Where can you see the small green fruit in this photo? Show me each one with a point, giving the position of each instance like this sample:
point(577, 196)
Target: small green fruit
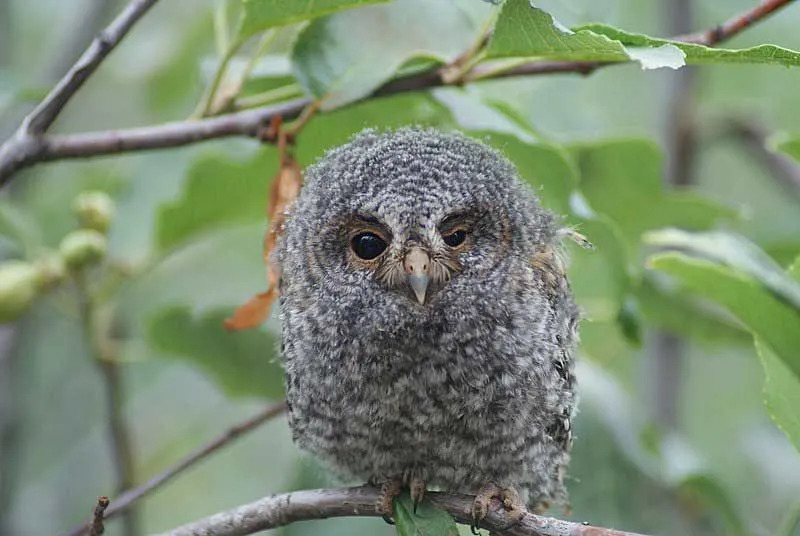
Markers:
point(95, 210)
point(20, 282)
point(82, 247)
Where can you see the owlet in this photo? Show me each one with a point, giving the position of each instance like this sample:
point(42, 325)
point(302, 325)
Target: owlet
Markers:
point(428, 327)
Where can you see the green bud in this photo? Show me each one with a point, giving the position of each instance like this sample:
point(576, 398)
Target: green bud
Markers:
point(94, 209)
point(82, 247)
point(20, 282)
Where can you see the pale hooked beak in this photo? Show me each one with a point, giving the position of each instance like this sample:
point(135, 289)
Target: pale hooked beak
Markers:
point(417, 264)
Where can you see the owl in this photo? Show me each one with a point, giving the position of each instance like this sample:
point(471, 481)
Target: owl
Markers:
point(427, 324)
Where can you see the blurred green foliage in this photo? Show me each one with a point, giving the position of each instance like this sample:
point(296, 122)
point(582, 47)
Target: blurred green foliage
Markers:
point(184, 248)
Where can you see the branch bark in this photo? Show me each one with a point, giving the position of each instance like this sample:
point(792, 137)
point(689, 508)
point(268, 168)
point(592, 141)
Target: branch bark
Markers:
point(279, 510)
point(25, 149)
point(127, 499)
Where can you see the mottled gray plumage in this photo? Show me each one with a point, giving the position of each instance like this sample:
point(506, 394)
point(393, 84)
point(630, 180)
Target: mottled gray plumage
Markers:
point(475, 385)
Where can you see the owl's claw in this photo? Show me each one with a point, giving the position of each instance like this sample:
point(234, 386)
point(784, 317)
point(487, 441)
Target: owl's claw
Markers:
point(389, 490)
point(416, 487)
point(508, 498)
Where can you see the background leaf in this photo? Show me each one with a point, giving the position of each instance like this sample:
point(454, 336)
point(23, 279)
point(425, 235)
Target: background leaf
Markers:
point(218, 191)
point(775, 322)
point(622, 179)
point(263, 14)
point(329, 59)
point(734, 251)
point(242, 363)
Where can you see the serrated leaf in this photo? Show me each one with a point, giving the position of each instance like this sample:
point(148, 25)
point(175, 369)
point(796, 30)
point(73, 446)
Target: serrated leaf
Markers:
point(781, 392)
point(242, 363)
point(772, 320)
point(329, 57)
point(523, 30)
point(700, 54)
point(734, 251)
point(622, 179)
point(260, 15)
point(427, 521)
point(218, 191)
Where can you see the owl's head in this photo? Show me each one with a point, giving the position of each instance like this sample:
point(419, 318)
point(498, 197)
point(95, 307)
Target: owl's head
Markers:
point(416, 214)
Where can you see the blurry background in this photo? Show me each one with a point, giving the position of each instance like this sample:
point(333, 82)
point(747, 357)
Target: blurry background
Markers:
point(672, 436)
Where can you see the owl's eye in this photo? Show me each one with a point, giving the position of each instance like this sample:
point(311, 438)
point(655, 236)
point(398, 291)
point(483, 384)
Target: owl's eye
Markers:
point(368, 245)
point(456, 238)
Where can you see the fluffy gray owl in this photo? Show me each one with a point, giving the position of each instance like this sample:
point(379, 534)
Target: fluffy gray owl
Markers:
point(428, 327)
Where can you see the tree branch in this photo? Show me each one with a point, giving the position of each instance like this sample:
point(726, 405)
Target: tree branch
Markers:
point(23, 150)
point(735, 24)
point(279, 510)
point(127, 499)
point(783, 168)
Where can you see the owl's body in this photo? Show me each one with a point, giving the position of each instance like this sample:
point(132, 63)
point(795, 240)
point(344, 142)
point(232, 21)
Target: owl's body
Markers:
point(470, 383)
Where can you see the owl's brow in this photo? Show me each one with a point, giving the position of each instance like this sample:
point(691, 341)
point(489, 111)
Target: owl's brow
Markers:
point(360, 221)
point(466, 217)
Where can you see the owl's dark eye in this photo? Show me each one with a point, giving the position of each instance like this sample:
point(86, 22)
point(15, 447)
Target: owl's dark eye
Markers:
point(368, 245)
point(456, 238)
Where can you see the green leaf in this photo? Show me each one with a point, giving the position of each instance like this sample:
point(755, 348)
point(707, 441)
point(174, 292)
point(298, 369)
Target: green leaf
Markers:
point(710, 492)
point(700, 54)
point(263, 14)
point(329, 56)
point(242, 363)
point(622, 179)
point(677, 311)
point(600, 277)
point(734, 251)
point(781, 392)
point(772, 320)
point(218, 190)
point(427, 521)
point(547, 169)
point(526, 31)
point(788, 145)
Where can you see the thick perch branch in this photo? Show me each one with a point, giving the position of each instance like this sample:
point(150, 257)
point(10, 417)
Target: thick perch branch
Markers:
point(28, 147)
point(279, 510)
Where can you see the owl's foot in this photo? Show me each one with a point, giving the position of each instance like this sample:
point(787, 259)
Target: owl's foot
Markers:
point(508, 498)
point(389, 490)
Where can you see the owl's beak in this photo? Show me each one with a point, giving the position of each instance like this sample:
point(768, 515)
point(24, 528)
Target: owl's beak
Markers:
point(417, 264)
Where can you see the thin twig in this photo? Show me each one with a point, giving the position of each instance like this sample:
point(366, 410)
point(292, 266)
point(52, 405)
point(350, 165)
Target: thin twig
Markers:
point(785, 170)
point(22, 151)
point(127, 499)
point(103, 352)
point(97, 527)
point(735, 24)
point(279, 510)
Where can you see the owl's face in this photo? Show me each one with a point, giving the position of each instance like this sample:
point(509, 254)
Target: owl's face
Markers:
point(414, 220)
point(415, 260)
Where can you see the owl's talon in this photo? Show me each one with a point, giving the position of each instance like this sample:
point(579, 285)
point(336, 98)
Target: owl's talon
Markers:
point(389, 490)
point(508, 498)
point(416, 487)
